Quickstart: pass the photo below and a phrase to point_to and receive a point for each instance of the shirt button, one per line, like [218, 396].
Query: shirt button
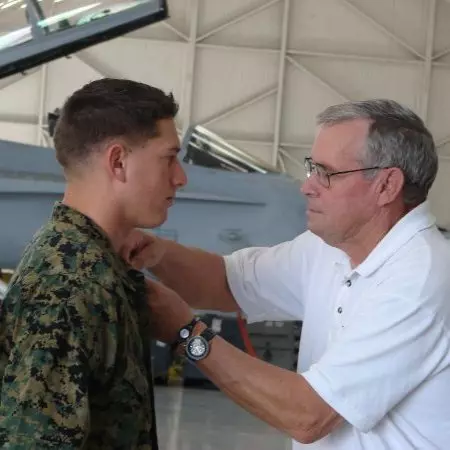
[348, 283]
[339, 310]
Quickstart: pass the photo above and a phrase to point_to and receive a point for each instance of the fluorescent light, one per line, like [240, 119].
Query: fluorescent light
[11, 3]
[66, 15]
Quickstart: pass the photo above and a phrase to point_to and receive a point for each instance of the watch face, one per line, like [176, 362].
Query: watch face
[197, 348]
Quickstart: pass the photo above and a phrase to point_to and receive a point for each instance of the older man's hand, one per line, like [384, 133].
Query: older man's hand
[142, 250]
[168, 311]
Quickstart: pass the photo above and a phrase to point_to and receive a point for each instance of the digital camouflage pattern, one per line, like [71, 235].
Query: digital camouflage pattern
[75, 345]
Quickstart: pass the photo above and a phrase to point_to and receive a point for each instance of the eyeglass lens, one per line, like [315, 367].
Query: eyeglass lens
[313, 169]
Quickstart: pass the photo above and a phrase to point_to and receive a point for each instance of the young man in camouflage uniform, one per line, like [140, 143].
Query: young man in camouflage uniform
[74, 331]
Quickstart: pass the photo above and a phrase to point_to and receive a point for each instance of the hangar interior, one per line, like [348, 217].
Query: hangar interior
[251, 76]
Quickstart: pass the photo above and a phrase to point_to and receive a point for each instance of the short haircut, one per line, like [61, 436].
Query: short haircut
[105, 109]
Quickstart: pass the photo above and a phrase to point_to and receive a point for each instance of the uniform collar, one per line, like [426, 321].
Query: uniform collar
[89, 231]
[418, 219]
[84, 224]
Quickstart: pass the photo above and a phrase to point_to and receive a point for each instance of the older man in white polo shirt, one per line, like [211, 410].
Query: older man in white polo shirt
[370, 280]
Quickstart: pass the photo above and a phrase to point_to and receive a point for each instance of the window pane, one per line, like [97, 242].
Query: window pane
[54, 16]
[49, 29]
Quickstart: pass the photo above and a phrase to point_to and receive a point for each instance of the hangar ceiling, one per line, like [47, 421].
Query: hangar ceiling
[257, 72]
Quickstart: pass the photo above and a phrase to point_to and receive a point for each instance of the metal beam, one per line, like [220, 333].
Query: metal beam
[9, 81]
[19, 119]
[237, 48]
[443, 141]
[443, 65]
[92, 63]
[316, 77]
[441, 54]
[281, 163]
[295, 145]
[48, 141]
[43, 85]
[270, 143]
[426, 87]
[295, 52]
[280, 90]
[175, 30]
[382, 28]
[189, 68]
[292, 159]
[274, 51]
[42, 101]
[238, 107]
[238, 19]
[354, 57]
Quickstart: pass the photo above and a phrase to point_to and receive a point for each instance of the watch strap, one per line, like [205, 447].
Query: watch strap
[184, 333]
[208, 334]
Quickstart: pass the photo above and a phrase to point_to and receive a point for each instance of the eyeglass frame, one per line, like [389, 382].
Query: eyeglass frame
[310, 163]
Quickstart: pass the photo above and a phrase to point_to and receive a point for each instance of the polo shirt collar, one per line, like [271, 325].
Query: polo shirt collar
[418, 219]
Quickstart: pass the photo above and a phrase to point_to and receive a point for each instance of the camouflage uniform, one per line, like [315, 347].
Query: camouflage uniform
[75, 345]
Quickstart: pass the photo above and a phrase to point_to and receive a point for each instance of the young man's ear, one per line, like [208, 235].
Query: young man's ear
[116, 161]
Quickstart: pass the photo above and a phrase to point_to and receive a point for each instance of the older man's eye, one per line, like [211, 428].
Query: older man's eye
[322, 173]
[320, 170]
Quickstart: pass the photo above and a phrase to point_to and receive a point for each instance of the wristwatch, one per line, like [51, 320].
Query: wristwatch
[194, 347]
[197, 347]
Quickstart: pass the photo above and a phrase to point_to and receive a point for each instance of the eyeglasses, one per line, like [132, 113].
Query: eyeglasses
[323, 176]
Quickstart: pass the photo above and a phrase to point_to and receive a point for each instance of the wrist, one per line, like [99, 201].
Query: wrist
[193, 328]
[197, 346]
[199, 328]
[184, 332]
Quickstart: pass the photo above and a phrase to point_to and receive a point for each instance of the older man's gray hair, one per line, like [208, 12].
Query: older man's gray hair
[397, 138]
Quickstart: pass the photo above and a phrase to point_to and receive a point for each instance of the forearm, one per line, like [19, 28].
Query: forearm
[279, 397]
[196, 275]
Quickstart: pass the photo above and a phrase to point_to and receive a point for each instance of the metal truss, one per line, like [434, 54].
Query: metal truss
[280, 153]
[293, 57]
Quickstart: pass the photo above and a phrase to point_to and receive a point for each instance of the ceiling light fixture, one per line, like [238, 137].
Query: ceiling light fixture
[11, 3]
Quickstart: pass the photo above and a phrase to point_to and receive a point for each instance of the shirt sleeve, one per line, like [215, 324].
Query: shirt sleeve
[392, 346]
[268, 282]
[44, 398]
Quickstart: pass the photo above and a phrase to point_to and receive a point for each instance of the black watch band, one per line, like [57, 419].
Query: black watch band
[208, 334]
[184, 333]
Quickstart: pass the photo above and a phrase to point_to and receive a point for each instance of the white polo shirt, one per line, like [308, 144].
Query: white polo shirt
[375, 342]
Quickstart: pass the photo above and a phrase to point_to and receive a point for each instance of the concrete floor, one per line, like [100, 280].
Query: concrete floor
[203, 419]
